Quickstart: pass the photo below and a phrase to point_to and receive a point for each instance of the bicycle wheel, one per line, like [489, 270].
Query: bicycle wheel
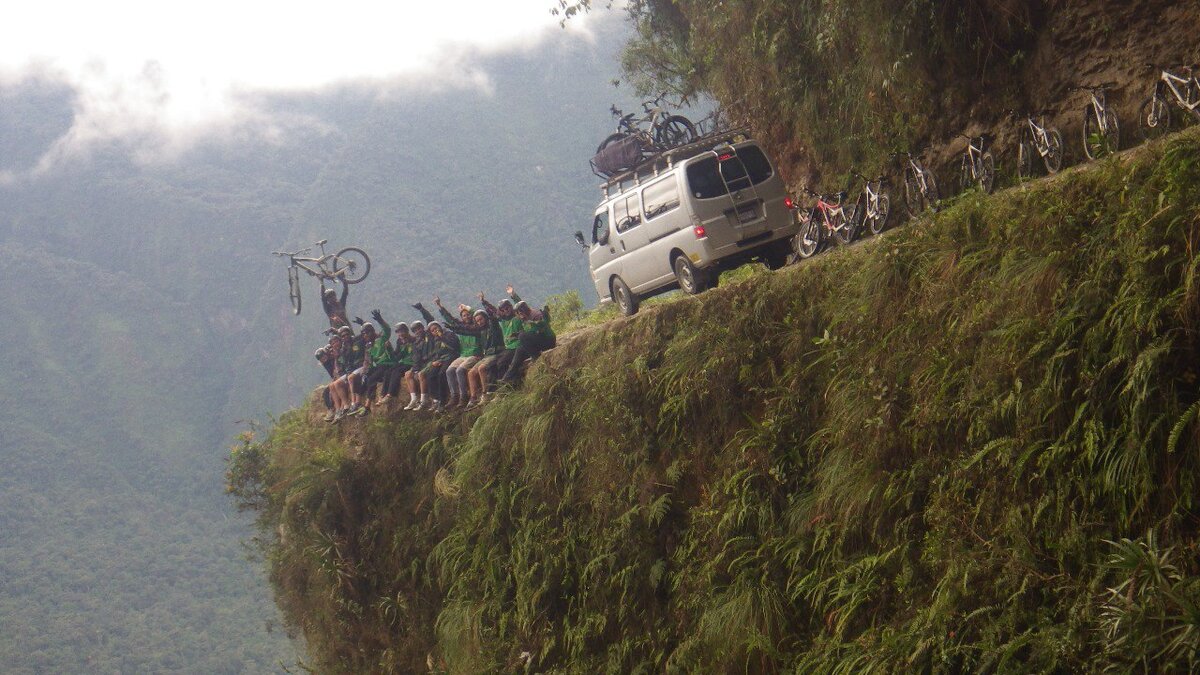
[965, 174]
[883, 211]
[1154, 118]
[1114, 131]
[844, 232]
[913, 198]
[987, 172]
[1097, 141]
[932, 194]
[675, 130]
[808, 240]
[1054, 151]
[352, 265]
[1025, 157]
[294, 288]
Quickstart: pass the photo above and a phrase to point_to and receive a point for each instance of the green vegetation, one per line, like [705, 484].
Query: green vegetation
[969, 445]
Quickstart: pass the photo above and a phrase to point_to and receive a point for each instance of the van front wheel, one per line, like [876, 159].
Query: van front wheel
[691, 280]
[625, 298]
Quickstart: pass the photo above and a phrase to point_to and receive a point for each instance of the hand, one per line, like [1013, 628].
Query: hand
[375, 314]
[437, 300]
[359, 321]
[462, 307]
[481, 296]
[509, 289]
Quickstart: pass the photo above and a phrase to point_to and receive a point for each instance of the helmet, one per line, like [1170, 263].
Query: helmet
[330, 292]
[436, 324]
[522, 305]
[400, 327]
[368, 327]
[417, 324]
[481, 312]
[345, 329]
[319, 353]
[505, 303]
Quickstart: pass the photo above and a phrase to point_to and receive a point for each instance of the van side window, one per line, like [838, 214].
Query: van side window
[660, 197]
[627, 214]
[600, 228]
[704, 177]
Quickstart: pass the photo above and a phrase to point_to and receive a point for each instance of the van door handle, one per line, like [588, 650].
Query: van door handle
[622, 244]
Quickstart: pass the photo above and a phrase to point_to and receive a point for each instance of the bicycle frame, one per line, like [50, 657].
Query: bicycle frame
[298, 260]
[1100, 104]
[871, 207]
[919, 172]
[1040, 139]
[974, 156]
[1170, 80]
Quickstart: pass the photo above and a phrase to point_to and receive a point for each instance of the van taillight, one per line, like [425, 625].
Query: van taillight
[699, 230]
[722, 158]
[787, 201]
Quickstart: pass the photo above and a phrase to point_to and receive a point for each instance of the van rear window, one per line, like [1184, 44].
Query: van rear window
[704, 176]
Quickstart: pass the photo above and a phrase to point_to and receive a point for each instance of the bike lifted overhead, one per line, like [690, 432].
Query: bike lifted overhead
[349, 266]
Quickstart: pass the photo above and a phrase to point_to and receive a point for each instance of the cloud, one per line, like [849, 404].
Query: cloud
[159, 74]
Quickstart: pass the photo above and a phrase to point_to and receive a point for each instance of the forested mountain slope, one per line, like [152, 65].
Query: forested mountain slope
[145, 318]
[970, 445]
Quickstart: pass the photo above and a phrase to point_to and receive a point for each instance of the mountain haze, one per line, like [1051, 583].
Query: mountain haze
[146, 319]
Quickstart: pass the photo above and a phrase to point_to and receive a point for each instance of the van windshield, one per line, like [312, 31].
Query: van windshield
[704, 176]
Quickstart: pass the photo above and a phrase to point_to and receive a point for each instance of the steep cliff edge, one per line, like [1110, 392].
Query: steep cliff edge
[971, 444]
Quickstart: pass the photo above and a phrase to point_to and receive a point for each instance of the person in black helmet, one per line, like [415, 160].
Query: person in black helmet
[536, 336]
[335, 307]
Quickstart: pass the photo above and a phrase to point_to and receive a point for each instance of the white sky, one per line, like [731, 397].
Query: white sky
[168, 69]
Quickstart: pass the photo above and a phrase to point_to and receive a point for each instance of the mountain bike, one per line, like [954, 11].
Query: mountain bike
[349, 265]
[1154, 117]
[978, 165]
[666, 130]
[827, 218]
[873, 206]
[1101, 129]
[1037, 137]
[920, 185]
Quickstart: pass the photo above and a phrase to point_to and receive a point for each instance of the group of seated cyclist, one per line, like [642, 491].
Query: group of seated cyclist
[456, 362]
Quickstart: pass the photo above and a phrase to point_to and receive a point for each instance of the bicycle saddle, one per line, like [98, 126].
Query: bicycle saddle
[321, 243]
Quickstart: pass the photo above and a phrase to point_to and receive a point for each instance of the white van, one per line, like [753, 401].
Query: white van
[686, 215]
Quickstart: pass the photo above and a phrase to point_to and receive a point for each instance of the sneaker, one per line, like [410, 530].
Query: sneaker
[329, 417]
[412, 405]
[353, 409]
[472, 404]
[438, 408]
[453, 402]
[337, 417]
[362, 411]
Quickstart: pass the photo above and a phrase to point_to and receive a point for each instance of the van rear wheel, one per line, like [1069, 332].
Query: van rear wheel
[625, 298]
[691, 280]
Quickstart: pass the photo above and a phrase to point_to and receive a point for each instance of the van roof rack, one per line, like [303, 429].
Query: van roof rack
[657, 163]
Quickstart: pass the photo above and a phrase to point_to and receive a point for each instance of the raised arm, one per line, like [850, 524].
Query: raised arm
[512, 293]
[385, 331]
[425, 314]
[345, 293]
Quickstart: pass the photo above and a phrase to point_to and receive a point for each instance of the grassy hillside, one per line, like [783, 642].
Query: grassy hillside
[968, 445]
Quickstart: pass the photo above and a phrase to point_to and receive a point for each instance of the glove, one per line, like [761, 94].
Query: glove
[359, 321]
[418, 306]
[375, 314]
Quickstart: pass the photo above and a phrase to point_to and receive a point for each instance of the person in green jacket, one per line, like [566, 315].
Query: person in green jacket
[381, 359]
[536, 336]
[422, 346]
[510, 326]
[470, 352]
[402, 351]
